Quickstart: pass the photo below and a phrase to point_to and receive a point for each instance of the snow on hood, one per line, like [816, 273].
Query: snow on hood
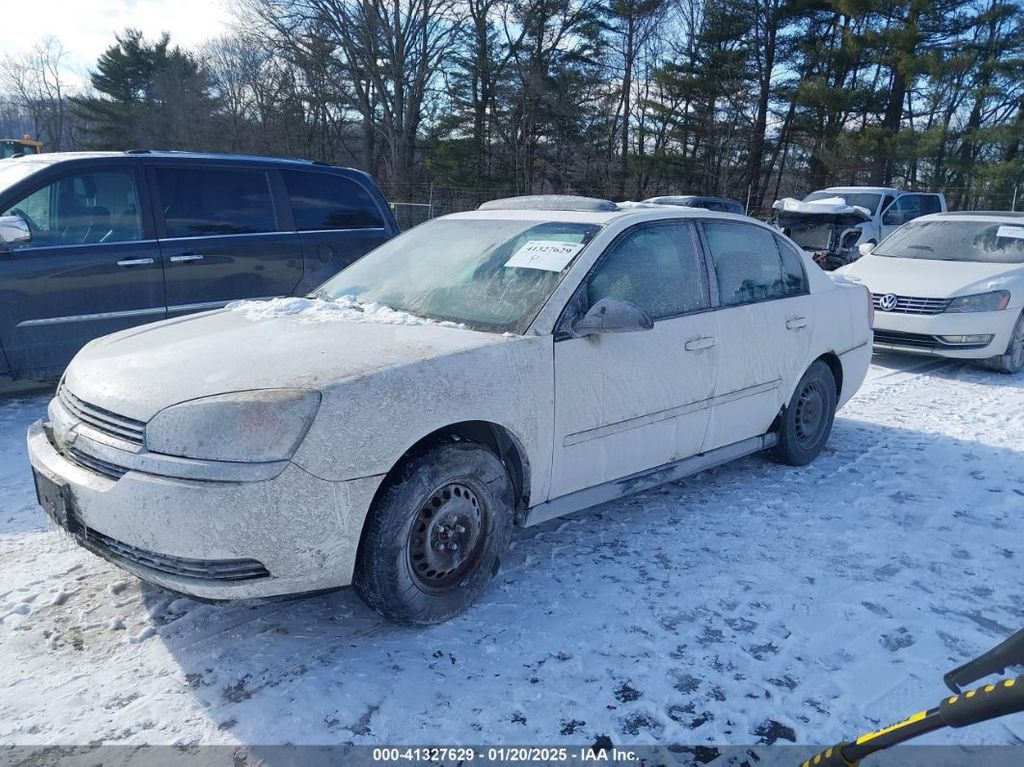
[832, 210]
[140, 371]
[343, 309]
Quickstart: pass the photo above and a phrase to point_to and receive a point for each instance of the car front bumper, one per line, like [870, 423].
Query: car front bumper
[926, 333]
[291, 534]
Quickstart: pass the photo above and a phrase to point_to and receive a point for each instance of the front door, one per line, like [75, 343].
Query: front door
[221, 237]
[92, 267]
[765, 318]
[629, 402]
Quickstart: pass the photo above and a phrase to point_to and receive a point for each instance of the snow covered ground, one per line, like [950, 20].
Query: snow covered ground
[751, 603]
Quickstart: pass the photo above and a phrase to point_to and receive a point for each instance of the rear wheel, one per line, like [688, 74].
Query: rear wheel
[807, 420]
[436, 535]
[1012, 360]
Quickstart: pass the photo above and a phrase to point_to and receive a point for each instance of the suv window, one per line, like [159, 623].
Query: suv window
[81, 209]
[747, 262]
[654, 267]
[911, 206]
[209, 201]
[330, 201]
[930, 204]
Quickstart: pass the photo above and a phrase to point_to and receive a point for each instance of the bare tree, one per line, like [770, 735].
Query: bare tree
[37, 82]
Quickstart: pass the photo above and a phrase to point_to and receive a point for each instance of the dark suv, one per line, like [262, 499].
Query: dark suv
[95, 243]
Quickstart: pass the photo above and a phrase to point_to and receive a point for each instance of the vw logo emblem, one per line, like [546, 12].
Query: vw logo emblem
[887, 302]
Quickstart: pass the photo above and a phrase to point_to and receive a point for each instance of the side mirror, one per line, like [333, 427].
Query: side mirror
[894, 218]
[14, 230]
[612, 316]
[865, 248]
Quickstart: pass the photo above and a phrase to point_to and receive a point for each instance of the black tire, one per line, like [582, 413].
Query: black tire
[1012, 360]
[806, 422]
[453, 494]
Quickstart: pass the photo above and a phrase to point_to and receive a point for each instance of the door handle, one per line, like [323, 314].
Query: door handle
[185, 257]
[795, 323]
[697, 344]
[135, 261]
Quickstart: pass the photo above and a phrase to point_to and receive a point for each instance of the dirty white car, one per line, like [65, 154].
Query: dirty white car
[952, 285]
[486, 369]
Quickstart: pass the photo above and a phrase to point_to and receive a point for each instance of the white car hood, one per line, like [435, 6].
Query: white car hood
[929, 279]
[833, 210]
[138, 372]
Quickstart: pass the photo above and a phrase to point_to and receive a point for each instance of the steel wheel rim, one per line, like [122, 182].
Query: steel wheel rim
[809, 414]
[447, 537]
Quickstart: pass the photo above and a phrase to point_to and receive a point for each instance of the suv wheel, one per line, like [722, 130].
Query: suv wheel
[436, 534]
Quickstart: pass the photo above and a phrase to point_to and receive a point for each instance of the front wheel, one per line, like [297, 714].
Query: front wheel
[807, 420]
[436, 534]
[1012, 360]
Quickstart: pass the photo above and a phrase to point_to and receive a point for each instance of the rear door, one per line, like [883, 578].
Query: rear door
[765, 316]
[224, 234]
[628, 402]
[340, 218]
[92, 266]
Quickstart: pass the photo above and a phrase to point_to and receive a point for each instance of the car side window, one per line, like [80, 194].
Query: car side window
[911, 206]
[330, 201]
[794, 278]
[84, 208]
[656, 268]
[747, 263]
[930, 204]
[210, 201]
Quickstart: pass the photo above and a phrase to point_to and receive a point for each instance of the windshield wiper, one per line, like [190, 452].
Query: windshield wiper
[320, 295]
[929, 248]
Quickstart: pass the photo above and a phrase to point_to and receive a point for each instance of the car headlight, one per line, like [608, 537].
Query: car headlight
[246, 426]
[981, 302]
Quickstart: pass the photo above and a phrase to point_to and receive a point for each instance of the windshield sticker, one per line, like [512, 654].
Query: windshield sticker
[1011, 232]
[549, 255]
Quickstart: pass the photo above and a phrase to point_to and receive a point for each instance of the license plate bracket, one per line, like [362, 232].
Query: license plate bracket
[55, 498]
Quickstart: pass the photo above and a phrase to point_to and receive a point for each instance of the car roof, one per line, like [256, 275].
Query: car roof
[53, 158]
[602, 212]
[861, 189]
[987, 216]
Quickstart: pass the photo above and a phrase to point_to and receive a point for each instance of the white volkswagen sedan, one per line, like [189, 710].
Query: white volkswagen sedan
[482, 370]
[950, 284]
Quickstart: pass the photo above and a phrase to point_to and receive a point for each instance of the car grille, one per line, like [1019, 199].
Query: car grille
[206, 569]
[913, 305]
[102, 420]
[98, 465]
[914, 340]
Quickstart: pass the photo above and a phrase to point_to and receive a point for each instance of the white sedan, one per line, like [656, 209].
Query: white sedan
[950, 284]
[485, 369]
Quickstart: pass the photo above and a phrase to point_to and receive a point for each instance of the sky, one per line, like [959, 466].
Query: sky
[86, 27]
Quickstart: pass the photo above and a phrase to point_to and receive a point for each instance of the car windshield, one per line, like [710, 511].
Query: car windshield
[867, 200]
[489, 274]
[984, 241]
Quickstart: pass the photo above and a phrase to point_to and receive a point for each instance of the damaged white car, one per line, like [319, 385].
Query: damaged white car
[831, 224]
[482, 370]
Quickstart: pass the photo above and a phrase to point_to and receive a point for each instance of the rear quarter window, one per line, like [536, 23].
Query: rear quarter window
[330, 201]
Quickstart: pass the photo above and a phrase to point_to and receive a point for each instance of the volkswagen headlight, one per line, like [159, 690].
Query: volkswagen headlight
[980, 302]
[246, 426]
